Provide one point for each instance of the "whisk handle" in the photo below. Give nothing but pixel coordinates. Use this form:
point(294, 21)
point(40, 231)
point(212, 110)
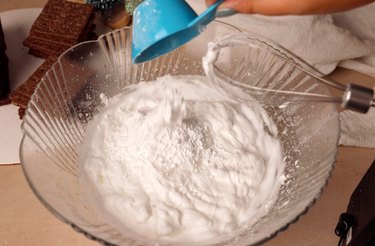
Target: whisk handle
point(358, 98)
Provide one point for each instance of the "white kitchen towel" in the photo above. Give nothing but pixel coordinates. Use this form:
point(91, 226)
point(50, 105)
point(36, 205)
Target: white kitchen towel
point(325, 41)
point(344, 39)
point(357, 129)
point(361, 23)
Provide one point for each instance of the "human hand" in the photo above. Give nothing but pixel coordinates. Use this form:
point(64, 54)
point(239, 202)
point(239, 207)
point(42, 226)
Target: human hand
point(290, 7)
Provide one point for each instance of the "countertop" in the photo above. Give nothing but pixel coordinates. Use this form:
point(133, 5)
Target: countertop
point(24, 220)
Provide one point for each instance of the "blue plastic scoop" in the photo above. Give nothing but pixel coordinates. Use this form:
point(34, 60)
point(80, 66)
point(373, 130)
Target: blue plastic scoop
point(160, 26)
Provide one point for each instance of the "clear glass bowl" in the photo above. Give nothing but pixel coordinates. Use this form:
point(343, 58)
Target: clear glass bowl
point(69, 95)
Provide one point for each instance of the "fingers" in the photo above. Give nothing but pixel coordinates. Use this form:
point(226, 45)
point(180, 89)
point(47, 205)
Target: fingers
point(241, 6)
point(238, 5)
point(266, 7)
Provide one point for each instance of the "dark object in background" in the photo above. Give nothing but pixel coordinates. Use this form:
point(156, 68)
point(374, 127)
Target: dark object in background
point(356, 227)
point(4, 70)
point(112, 12)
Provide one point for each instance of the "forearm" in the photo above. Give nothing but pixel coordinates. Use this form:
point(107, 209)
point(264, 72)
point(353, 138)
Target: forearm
point(294, 7)
point(298, 7)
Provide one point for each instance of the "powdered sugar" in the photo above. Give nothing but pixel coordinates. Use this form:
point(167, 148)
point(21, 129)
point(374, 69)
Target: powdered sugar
point(178, 161)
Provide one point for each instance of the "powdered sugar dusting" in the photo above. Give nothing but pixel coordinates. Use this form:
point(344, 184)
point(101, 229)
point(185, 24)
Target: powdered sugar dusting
point(179, 161)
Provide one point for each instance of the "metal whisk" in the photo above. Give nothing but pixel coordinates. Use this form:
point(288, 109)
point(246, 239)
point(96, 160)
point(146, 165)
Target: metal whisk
point(355, 97)
point(251, 62)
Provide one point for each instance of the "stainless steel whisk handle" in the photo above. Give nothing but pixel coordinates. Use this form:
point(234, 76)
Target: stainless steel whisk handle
point(358, 98)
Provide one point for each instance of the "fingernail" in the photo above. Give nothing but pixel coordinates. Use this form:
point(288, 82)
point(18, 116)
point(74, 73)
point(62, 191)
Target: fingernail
point(224, 12)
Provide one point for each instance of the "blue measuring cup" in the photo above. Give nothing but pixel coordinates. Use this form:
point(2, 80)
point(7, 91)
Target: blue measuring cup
point(160, 26)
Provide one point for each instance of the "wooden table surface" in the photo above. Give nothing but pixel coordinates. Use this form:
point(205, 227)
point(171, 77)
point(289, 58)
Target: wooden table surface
point(24, 220)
